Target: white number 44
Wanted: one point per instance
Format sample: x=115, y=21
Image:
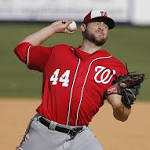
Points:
x=64, y=78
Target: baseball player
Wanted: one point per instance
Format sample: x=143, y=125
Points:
x=75, y=83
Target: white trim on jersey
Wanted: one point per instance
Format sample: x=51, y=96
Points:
x=85, y=83
x=68, y=116
x=28, y=55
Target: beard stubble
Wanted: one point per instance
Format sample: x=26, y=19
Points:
x=92, y=38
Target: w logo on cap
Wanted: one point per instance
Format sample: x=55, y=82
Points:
x=103, y=13
x=98, y=13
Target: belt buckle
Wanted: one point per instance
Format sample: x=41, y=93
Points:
x=52, y=125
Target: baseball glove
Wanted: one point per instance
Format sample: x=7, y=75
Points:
x=127, y=86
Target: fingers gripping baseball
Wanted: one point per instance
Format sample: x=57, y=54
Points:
x=62, y=26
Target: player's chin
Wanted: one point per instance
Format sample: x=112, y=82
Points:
x=100, y=42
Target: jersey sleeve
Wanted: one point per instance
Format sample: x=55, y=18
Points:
x=121, y=70
x=35, y=57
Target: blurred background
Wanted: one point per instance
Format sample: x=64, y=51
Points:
x=129, y=41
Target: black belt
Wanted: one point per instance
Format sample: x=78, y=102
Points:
x=72, y=132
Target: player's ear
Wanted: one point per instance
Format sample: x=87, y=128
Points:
x=83, y=27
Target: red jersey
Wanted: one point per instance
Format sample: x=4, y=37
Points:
x=74, y=81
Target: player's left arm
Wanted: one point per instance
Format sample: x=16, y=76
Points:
x=123, y=91
x=120, y=112
x=122, y=94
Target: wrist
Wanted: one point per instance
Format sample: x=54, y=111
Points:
x=53, y=28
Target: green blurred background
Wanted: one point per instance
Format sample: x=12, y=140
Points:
x=127, y=43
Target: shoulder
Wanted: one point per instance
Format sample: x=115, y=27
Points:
x=118, y=65
x=62, y=49
x=117, y=61
x=114, y=63
x=112, y=60
x=62, y=46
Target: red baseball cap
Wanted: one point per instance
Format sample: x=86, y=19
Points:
x=101, y=16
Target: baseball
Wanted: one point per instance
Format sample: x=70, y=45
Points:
x=72, y=26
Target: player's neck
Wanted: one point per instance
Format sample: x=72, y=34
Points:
x=89, y=47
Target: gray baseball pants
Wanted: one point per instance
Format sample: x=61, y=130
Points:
x=39, y=137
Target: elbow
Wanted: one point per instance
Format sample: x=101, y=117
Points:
x=121, y=115
x=122, y=119
x=16, y=50
x=20, y=54
x=21, y=51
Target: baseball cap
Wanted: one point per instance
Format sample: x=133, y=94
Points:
x=99, y=15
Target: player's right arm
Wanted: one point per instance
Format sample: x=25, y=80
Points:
x=42, y=35
x=29, y=50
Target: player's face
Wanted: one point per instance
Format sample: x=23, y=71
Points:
x=96, y=32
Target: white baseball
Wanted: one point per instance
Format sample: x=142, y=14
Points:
x=72, y=26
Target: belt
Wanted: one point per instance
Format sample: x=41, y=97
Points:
x=72, y=132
